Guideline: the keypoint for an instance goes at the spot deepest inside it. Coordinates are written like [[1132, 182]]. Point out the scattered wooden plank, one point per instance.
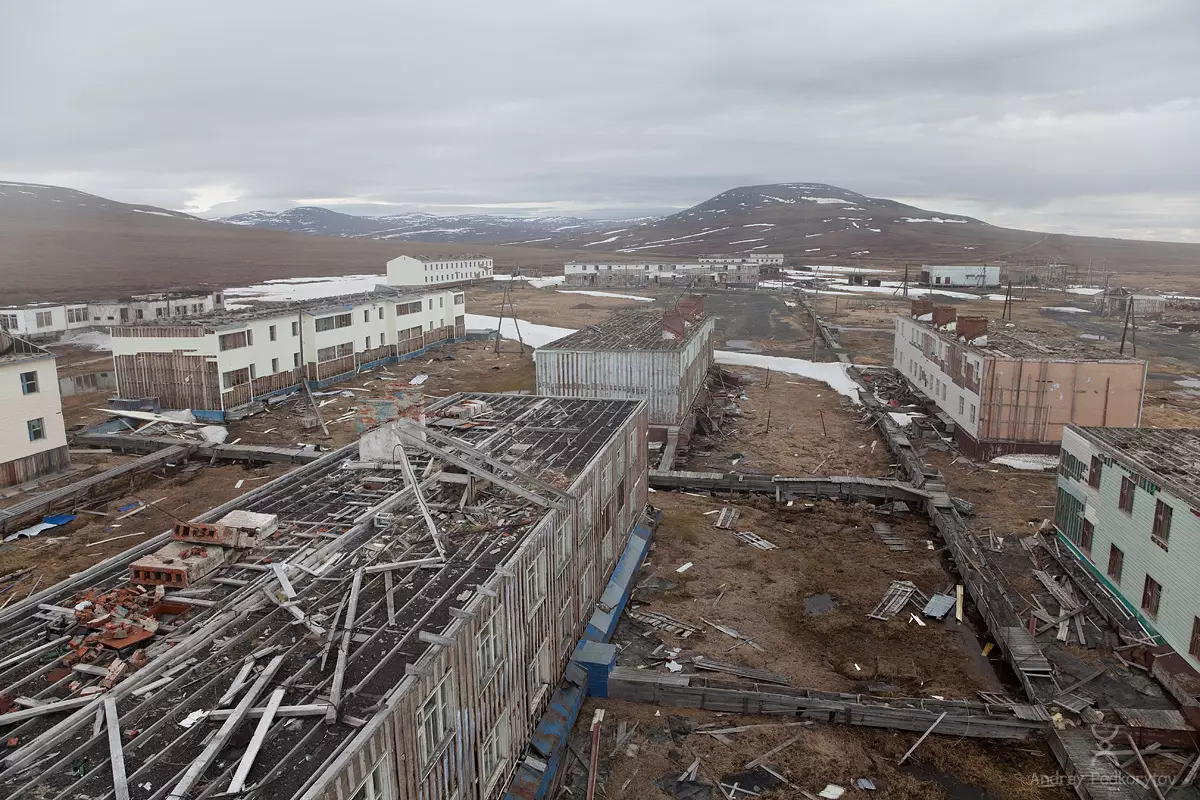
[[260, 734], [219, 739], [924, 736], [116, 753], [761, 676], [48, 708], [339, 672], [779, 748]]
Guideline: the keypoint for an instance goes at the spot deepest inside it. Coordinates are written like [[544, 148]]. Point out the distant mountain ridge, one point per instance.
[[421, 227]]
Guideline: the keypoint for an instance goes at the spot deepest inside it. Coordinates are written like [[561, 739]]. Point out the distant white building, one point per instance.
[[219, 363], [49, 321], [33, 437], [759, 259], [451, 271], [977, 276]]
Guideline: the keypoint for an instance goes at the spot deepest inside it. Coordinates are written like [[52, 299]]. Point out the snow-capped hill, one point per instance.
[[422, 227], [30, 198]]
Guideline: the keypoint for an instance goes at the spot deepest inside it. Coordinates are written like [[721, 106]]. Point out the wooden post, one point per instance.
[[1141, 761], [597, 718]]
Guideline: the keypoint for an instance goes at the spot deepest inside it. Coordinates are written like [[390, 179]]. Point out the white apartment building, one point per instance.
[[757, 259], [221, 363], [33, 437], [451, 271], [49, 321], [1128, 508]]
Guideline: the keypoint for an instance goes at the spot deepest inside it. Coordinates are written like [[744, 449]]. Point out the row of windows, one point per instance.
[[1152, 590]]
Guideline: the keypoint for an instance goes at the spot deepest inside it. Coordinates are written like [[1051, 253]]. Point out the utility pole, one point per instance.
[[1125, 327]]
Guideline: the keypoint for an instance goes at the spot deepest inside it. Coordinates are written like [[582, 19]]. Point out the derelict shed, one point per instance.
[[663, 357]]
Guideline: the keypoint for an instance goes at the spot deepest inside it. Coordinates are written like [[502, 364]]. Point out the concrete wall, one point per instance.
[[1176, 569], [23, 320], [19, 409]]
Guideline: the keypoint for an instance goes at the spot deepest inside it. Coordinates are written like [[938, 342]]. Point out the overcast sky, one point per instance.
[[1080, 117]]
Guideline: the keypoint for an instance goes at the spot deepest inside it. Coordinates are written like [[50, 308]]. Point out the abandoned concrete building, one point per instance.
[[978, 276], [578, 273], [221, 363], [396, 627], [1004, 394], [1128, 506], [661, 356]]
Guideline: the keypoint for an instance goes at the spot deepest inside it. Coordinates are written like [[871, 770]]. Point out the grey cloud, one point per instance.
[[1048, 115]]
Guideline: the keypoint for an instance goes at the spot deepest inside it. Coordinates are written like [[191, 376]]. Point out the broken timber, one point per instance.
[[847, 487], [918, 715]]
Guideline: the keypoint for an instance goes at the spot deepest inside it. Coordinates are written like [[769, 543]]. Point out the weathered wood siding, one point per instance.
[[481, 702]]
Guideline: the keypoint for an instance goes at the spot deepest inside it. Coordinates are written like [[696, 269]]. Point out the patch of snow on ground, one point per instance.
[[92, 340], [602, 241], [998, 297], [931, 219], [832, 374], [759, 225], [291, 289], [591, 293], [1033, 462], [747, 241], [155, 213], [1088, 290], [1189, 383], [826, 200], [1066, 309], [903, 419], [812, 249], [1179, 297]]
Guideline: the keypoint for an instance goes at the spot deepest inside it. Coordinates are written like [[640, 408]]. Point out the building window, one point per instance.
[[1194, 647], [382, 339], [566, 628], [77, 315], [271, 333], [1161, 533], [232, 341], [236, 377], [1116, 563], [8, 322], [37, 429], [1087, 532], [566, 543], [295, 359], [330, 323], [491, 649], [585, 518], [160, 312], [295, 329], [140, 314], [972, 417], [434, 719], [368, 341], [274, 365], [1094, 473], [29, 383], [1125, 501], [962, 403], [380, 310], [537, 676], [494, 753], [375, 786], [585, 588], [535, 582], [44, 319], [253, 372], [1151, 596]]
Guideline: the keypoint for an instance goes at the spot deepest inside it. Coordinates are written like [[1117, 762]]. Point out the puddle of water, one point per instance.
[[746, 345], [956, 789], [819, 604]]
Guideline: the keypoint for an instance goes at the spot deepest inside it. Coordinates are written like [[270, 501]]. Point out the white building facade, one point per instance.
[[33, 436], [49, 321], [426, 273], [977, 276], [219, 365], [1128, 506]]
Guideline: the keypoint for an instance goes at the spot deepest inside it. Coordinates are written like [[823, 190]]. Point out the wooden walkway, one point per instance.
[[129, 443], [783, 487]]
